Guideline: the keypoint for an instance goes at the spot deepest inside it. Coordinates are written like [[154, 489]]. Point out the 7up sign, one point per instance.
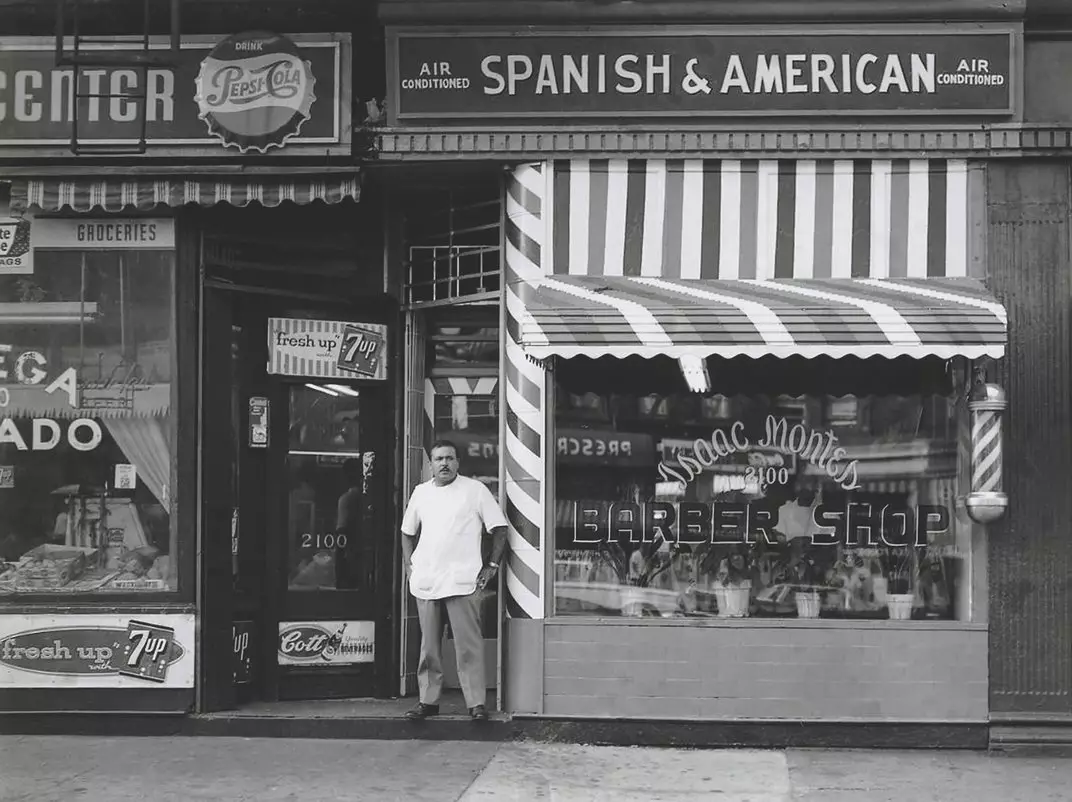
[[145, 654], [360, 351]]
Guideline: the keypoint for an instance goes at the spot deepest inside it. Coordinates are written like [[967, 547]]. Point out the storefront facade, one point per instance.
[[195, 387], [754, 353]]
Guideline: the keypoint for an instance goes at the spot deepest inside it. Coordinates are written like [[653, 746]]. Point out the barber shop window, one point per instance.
[[86, 438], [793, 488]]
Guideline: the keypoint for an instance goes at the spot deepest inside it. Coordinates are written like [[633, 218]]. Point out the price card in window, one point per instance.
[[361, 351], [126, 477]]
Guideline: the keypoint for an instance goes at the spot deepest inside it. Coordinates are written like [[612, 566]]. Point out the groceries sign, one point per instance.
[[250, 92], [936, 70]]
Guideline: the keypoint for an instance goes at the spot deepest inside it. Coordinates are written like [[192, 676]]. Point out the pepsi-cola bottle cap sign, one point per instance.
[[254, 91]]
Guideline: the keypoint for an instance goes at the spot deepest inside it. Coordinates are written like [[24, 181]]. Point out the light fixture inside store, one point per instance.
[[694, 369], [342, 388], [47, 313], [323, 390]]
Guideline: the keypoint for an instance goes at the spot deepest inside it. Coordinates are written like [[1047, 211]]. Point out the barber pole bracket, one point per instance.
[[986, 502]]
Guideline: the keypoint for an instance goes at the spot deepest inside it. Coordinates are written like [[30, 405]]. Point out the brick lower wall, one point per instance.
[[881, 671]]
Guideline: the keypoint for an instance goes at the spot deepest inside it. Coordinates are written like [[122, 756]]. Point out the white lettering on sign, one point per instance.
[[653, 74], [145, 644], [33, 96], [593, 447], [83, 434], [299, 642], [821, 449]]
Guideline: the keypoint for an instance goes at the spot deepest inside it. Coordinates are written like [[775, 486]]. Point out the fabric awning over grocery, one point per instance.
[[622, 316], [94, 193]]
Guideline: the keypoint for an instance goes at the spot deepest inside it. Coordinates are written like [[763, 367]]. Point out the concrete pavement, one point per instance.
[[170, 769]]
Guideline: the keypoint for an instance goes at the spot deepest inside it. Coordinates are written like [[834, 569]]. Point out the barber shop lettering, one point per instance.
[[819, 449], [694, 523]]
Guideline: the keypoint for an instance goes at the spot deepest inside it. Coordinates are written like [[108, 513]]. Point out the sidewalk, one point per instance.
[[165, 769]]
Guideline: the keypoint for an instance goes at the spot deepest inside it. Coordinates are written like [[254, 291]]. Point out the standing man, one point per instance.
[[441, 534]]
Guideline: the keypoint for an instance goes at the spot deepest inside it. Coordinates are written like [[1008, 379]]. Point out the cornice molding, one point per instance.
[[549, 12], [512, 144]]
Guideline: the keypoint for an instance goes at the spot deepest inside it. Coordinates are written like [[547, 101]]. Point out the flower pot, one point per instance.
[[733, 601], [631, 601], [900, 605], [808, 605]]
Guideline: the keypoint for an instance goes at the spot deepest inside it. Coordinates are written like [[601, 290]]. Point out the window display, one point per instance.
[[810, 505], [85, 424]]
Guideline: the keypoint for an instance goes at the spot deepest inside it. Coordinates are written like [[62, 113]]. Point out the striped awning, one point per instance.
[[622, 316], [92, 193], [762, 219]]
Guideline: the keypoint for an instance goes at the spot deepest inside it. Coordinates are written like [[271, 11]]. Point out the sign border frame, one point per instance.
[[208, 146], [1012, 113]]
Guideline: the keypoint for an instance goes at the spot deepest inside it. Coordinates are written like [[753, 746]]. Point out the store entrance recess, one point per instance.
[[83, 54], [295, 490], [462, 405]]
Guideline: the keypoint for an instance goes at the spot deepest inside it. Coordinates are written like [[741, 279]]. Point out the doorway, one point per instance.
[[298, 552]]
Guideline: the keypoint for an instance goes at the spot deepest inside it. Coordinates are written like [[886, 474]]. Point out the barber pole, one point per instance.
[[987, 501]]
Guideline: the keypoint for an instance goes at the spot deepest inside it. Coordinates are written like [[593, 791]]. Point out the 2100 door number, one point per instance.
[[328, 541]]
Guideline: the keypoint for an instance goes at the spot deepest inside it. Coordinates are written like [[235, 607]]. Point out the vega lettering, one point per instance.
[[282, 79], [821, 449]]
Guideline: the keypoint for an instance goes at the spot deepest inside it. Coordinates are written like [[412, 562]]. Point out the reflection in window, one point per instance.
[[328, 478], [85, 432], [465, 345], [677, 505]]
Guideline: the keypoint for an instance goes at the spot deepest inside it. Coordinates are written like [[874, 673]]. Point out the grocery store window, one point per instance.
[[86, 438], [797, 488]]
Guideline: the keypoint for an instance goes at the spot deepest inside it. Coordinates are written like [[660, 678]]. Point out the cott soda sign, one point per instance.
[[322, 643]]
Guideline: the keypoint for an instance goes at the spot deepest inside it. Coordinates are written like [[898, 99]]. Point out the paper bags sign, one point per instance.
[[16, 255], [327, 349]]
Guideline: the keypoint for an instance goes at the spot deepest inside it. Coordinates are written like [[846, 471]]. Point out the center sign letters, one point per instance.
[[722, 72], [37, 97]]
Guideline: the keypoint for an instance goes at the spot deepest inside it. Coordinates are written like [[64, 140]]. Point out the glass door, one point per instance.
[[333, 633]]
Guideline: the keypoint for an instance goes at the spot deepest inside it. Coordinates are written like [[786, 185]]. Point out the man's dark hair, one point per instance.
[[442, 443]]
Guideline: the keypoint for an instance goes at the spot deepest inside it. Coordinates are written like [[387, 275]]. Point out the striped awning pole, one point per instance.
[[524, 393]]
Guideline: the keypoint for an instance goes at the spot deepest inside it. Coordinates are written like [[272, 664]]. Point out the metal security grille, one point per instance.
[[452, 241]]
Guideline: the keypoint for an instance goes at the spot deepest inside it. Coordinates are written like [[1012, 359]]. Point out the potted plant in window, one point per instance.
[[899, 586], [804, 576], [638, 595], [733, 585]]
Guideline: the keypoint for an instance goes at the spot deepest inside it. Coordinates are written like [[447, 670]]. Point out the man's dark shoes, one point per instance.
[[422, 711], [478, 713]]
